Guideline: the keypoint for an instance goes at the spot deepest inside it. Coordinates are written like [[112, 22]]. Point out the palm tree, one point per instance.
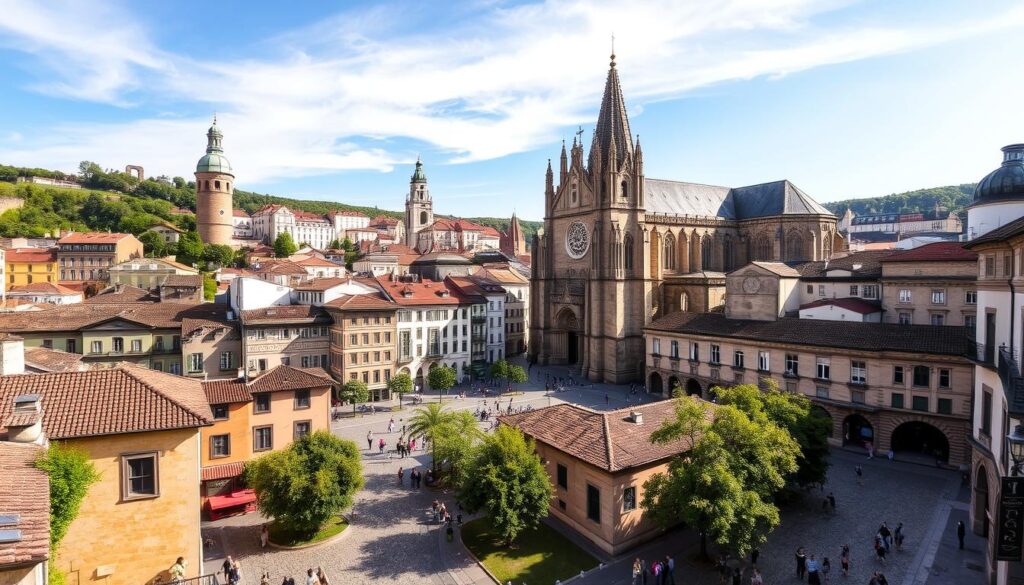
[[458, 436], [428, 422]]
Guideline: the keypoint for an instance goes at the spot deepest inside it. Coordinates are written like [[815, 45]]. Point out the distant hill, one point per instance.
[[955, 198]]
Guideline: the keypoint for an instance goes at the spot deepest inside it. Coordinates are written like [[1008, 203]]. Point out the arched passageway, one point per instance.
[[693, 388], [655, 384], [921, 438], [857, 431], [673, 383], [817, 410]]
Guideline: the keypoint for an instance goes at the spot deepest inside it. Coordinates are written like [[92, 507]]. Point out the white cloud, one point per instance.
[[503, 81]]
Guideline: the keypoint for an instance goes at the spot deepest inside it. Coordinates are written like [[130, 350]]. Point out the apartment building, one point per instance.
[[89, 255], [517, 305], [364, 334], [290, 335], [147, 273], [934, 284], [29, 266]]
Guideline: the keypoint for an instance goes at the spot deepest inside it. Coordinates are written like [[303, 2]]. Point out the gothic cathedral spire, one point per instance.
[[612, 124]]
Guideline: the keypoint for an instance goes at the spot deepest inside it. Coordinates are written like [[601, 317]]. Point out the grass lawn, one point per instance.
[[333, 527], [540, 556]]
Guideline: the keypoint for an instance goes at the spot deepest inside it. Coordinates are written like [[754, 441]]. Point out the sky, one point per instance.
[[335, 100]]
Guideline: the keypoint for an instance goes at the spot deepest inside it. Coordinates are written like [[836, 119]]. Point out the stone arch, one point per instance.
[[423, 218], [858, 430], [135, 171], [707, 253], [405, 370], [693, 388], [980, 502], [818, 410], [567, 326], [924, 438], [761, 247], [728, 253], [673, 383], [669, 251], [684, 301], [795, 246], [655, 384], [627, 254], [625, 189], [418, 381]]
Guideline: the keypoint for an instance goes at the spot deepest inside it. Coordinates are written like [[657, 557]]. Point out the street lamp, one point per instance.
[[1015, 441]]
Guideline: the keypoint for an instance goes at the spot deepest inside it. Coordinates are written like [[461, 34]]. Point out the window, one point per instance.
[[96, 347], [858, 372], [174, 368], [261, 402], [674, 350], [792, 364], [986, 413], [944, 378], [716, 354], [220, 411], [71, 345], [263, 438], [897, 400], [857, 396], [945, 406], [905, 296], [905, 318], [810, 289], [971, 297], [195, 362], [853, 290], [227, 362], [139, 476], [939, 296], [970, 322], [136, 345], [824, 368], [694, 352], [118, 345], [821, 391], [656, 346], [302, 428], [920, 403], [897, 375], [301, 399], [48, 343], [563, 477], [938, 319], [737, 358], [922, 376], [870, 291], [763, 364], [821, 290], [629, 499], [220, 446], [593, 503]]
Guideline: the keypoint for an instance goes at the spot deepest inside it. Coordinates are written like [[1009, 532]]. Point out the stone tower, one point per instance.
[[214, 186], [513, 243], [419, 209]]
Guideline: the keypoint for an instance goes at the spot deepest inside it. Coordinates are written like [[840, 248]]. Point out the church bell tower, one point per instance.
[[419, 209], [214, 188]]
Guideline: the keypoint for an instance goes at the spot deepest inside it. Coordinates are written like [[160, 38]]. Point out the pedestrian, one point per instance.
[[880, 548], [321, 576], [264, 535], [754, 554], [177, 570], [860, 474], [737, 576], [380, 444], [886, 534], [449, 533], [832, 502], [265, 578], [961, 531], [236, 573], [458, 518], [898, 536], [801, 563], [607, 400], [670, 570], [723, 569], [369, 440], [391, 425], [643, 572], [826, 568], [436, 509], [401, 475], [311, 577], [892, 455], [636, 571], [844, 560], [226, 567], [755, 577], [813, 568], [656, 571]]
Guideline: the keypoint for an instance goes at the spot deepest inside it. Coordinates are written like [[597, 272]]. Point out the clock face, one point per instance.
[[751, 284], [577, 240]]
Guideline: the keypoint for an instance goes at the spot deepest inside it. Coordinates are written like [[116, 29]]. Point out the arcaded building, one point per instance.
[[619, 249]]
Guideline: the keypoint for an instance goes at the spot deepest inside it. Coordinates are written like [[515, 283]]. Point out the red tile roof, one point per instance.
[[426, 292], [184, 280], [226, 391], [25, 491], [51, 288], [849, 303], [283, 267], [607, 440], [125, 399], [121, 294], [51, 360], [364, 302], [314, 261], [239, 213], [83, 315], [93, 238], [30, 255], [285, 314], [223, 471], [936, 252], [278, 379], [346, 213]]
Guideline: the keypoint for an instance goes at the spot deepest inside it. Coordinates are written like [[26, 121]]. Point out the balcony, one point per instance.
[[1013, 382]]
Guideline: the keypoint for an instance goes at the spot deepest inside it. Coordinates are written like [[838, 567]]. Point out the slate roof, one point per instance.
[[936, 252], [125, 399], [870, 262], [739, 203], [607, 440], [849, 303], [932, 339], [25, 491]]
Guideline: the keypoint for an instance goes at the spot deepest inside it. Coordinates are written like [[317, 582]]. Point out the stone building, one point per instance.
[[935, 284], [363, 341], [513, 243], [618, 249], [419, 208], [214, 187], [89, 255], [290, 335]]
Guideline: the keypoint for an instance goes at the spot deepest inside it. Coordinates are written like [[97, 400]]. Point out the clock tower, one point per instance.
[[419, 209]]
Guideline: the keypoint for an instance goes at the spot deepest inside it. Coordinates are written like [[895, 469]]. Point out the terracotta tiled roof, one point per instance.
[[224, 471], [25, 491], [314, 261], [307, 216], [239, 213], [287, 378], [82, 315], [285, 314], [125, 399], [22, 419], [369, 301], [170, 261], [50, 288], [346, 213], [937, 252], [226, 391], [503, 275], [121, 294], [778, 268], [207, 315], [51, 360], [93, 238], [426, 292], [383, 220], [184, 280], [30, 255], [285, 267], [607, 440], [488, 231], [869, 263], [932, 339], [849, 303]]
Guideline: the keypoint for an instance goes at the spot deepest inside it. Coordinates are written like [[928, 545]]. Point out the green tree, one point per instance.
[[209, 286], [71, 473], [308, 482], [506, 479], [218, 254], [347, 245], [454, 441], [791, 411], [354, 391], [284, 246], [152, 244], [499, 370], [516, 374], [400, 384], [441, 378], [428, 422], [190, 249], [725, 482], [335, 244]]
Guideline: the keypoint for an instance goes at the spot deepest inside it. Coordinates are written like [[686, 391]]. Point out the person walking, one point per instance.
[[844, 559], [755, 577], [886, 534], [264, 535], [656, 571], [310, 577], [832, 502], [226, 567], [636, 571], [801, 563], [369, 440], [236, 573], [813, 568], [826, 568], [670, 570], [961, 531], [436, 509], [401, 476], [380, 444], [898, 536], [643, 572], [860, 474], [880, 548], [321, 576]]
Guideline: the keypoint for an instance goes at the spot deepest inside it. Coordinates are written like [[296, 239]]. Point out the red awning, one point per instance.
[[231, 500], [223, 471]]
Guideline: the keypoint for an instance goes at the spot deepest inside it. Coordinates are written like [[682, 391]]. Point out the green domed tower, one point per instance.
[[214, 186]]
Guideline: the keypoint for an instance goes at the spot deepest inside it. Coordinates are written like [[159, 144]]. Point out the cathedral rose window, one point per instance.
[[577, 239]]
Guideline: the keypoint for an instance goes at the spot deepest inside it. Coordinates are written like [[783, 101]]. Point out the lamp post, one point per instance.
[[1015, 442]]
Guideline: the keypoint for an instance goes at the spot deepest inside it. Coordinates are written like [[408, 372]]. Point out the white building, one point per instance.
[[361, 234], [305, 228], [317, 267], [241, 225], [45, 292], [517, 305], [167, 232], [246, 293], [347, 220]]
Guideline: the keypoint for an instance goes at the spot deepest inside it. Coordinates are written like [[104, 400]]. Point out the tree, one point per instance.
[[355, 391], [499, 370], [71, 473], [152, 244], [400, 384], [284, 246], [308, 482], [725, 482], [218, 254], [791, 411], [428, 422], [516, 374], [347, 245], [335, 244], [190, 249], [441, 378], [454, 442], [506, 479]]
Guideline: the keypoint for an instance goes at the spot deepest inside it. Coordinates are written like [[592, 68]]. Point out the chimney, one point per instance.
[[25, 423], [636, 417], [12, 355]]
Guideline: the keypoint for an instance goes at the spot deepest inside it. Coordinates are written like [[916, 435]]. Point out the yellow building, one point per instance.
[[29, 266], [140, 429]]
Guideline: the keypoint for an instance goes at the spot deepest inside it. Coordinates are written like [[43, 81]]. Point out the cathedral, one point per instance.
[[618, 249]]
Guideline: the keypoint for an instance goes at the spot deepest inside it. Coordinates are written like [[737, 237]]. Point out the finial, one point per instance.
[[215, 118], [613, 51]]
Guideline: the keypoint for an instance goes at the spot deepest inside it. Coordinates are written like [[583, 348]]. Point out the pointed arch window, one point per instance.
[[728, 254], [669, 252], [625, 189], [627, 252], [762, 248], [795, 246], [707, 259]]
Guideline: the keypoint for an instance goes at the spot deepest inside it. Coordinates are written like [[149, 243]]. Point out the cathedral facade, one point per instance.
[[618, 249]]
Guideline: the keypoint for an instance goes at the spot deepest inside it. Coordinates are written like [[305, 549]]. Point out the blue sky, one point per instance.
[[335, 100]]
